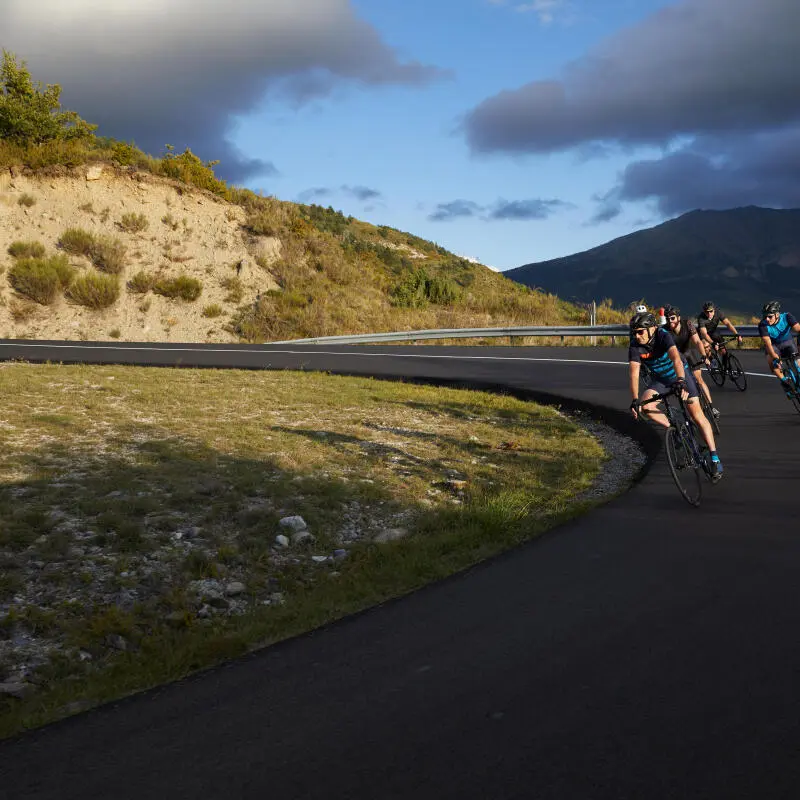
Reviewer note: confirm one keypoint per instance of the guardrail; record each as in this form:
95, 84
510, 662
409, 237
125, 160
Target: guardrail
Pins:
480, 333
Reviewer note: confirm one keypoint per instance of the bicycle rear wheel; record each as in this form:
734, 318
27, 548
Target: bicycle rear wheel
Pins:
685, 472
716, 370
737, 373
708, 411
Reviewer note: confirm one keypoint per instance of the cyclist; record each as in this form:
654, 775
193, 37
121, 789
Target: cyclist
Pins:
775, 330
707, 323
689, 344
655, 348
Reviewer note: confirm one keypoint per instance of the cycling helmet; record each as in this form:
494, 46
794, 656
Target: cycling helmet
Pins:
643, 319
708, 305
773, 307
672, 310
640, 309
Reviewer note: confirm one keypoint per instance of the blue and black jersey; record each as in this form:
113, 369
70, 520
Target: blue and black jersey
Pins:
781, 331
656, 357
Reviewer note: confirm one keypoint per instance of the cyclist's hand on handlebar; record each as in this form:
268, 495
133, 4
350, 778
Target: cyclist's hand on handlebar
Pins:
776, 363
680, 386
738, 339
636, 408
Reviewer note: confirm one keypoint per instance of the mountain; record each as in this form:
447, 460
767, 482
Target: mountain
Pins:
739, 258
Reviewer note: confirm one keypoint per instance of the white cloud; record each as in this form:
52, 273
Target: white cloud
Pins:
544, 9
178, 71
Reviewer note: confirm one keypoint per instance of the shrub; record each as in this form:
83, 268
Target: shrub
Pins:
141, 282
108, 254
235, 289
31, 114
133, 223
115, 333
21, 312
26, 249
77, 241
26, 200
94, 290
214, 310
417, 289
40, 279
182, 287
187, 167
170, 221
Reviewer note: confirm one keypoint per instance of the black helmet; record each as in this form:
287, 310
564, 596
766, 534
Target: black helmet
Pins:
773, 307
644, 319
670, 311
708, 305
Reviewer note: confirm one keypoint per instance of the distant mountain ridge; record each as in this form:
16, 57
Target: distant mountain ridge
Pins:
739, 258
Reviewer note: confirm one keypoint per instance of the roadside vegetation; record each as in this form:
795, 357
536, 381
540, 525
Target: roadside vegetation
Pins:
140, 538
335, 274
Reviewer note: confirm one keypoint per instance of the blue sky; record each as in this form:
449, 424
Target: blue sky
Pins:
510, 131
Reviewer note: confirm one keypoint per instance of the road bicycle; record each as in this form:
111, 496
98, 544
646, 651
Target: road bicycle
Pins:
792, 371
705, 404
687, 453
728, 365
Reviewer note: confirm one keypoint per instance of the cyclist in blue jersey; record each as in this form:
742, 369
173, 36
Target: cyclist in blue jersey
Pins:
775, 330
656, 350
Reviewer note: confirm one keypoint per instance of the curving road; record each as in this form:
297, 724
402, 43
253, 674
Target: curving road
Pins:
648, 650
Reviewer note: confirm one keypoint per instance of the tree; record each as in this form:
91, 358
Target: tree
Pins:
31, 113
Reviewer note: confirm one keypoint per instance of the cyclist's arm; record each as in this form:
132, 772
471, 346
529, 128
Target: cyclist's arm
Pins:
769, 348
699, 344
704, 335
731, 326
796, 327
635, 366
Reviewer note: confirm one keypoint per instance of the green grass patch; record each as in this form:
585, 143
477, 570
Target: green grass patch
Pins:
26, 249
146, 514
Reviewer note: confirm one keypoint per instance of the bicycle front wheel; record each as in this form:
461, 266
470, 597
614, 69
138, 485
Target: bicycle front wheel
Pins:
716, 370
737, 373
685, 472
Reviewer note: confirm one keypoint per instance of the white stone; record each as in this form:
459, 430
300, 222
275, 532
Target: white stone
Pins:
390, 535
296, 523
234, 588
94, 172
281, 540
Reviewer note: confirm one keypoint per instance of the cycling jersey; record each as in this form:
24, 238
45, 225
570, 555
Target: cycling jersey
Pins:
683, 340
656, 357
711, 324
781, 332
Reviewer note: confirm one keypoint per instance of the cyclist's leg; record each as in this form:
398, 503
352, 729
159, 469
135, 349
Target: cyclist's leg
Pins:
651, 411
696, 364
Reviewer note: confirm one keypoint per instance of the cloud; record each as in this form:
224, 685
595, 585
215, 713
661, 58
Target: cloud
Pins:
180, 71
514, 210
362, 192
526, 209
697, 67
718, 172
455, 209
314, 193
544, 9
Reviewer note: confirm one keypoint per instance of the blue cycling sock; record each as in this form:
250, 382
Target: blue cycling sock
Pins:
714, 456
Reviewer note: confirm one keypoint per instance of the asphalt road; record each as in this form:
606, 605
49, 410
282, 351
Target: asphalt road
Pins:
648, 650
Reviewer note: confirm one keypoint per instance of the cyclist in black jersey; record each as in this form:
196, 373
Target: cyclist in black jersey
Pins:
655, 348
708, 321
689, 344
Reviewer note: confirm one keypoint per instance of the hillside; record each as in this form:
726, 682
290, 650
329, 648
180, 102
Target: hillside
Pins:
739, 258
265, 269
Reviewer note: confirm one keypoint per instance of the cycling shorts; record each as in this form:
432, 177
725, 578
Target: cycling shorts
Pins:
662, 388
785, 349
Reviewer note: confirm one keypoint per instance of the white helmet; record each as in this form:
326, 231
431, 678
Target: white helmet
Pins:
640, 309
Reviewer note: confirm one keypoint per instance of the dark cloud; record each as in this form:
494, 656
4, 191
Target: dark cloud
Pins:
362, 192
315, 193
180, 71
697, 67
526, 209
456, 209
718, 173
516, 210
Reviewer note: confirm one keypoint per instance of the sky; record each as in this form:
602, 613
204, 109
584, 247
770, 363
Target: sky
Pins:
507, 131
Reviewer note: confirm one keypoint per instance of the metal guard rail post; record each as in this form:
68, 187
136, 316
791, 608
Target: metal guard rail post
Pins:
613, 331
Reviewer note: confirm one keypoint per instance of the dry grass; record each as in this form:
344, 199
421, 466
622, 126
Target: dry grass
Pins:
113, 472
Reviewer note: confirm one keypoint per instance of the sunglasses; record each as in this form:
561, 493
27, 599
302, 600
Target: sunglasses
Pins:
673, 318
771, 315
640, 332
